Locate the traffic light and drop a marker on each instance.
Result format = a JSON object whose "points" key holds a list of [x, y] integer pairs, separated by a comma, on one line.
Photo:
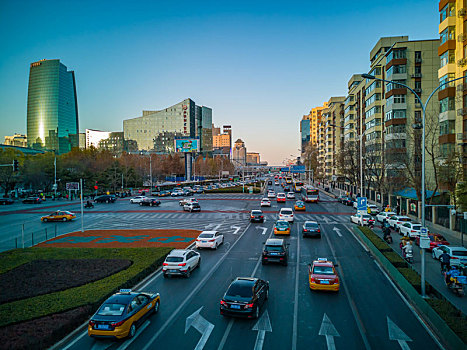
{"points": [[15, 165], [95, 186]]}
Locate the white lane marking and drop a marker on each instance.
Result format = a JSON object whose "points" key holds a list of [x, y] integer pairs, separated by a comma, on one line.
{"points": [[395, 333], [236, 228], [353, 234], [226, 334], [202, 325], [193, 292], [131, 340], [217, 227], [262, 228], [262, 326], [338, 231], [75, 340], [411, 308], [351, 302], [295, 307], [329, 331]]}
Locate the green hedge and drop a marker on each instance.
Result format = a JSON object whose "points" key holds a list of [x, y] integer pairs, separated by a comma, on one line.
{"points": [[396, 260], [236, 189], [453, 317], [375, 239], [145, 261]]}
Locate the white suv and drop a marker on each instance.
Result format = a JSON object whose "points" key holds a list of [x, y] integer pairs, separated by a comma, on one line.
{"points": [[181, 262], [137, 199], [192, 206], [286, 214]]}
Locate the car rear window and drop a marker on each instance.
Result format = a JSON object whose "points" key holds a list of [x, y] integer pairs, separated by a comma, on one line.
{"points": [[240, 289], [459, 252], [111, 310], [273, 248], [206, 235], [417, 227], [323, 270], [311, 226], [282, 224], [174, 259], [256, 212], [366, 216], [286, 211], [404, 219], [195, 205]]}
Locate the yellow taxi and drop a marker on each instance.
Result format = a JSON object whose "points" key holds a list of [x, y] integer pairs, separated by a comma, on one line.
{"points": [[59, 215], [282, 227], [299, 205], [120, 315], [322, 275]]}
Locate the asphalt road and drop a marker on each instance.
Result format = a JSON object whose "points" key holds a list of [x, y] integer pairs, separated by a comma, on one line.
{"points": [[367, 313]]}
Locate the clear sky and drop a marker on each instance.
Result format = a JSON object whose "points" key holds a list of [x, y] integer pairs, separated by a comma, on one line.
{"points": [[260, 65]]}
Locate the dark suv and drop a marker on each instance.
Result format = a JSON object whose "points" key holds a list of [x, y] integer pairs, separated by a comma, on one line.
{"points": [[256, 216], [275, 250], [105, 199]]}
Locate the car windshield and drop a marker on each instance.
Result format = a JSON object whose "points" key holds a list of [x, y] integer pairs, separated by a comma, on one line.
{"points": [[323, 270], [206, 235], [195, 205], [111, 309], [174, 259], [273, 248], [243, 290], [459, 252], [311, 226]]}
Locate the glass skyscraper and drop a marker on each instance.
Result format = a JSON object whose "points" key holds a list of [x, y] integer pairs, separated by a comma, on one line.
{"points": [[52, 115]]}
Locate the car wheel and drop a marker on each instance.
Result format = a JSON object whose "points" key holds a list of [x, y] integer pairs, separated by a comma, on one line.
{"points": [[433, 255], [45, 219], [285, 263], [256, 312], [140, 204], [199, 262], [64, 219], [132, 331], [266, 296], [188, 273], [263, 262], [107, 201], [156, 307], [215, 247], [222, 242], [150, 204]]}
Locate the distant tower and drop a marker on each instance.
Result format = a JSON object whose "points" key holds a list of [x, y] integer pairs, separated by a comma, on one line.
{"points": [[239, 153], [52, 116]]}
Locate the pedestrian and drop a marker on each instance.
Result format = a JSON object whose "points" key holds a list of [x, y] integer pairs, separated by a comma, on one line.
{"points": [[398, 208], [445, 259]]}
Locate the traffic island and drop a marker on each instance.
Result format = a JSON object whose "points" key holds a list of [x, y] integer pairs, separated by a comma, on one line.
{"points": [[104, 260], [449, 324]]}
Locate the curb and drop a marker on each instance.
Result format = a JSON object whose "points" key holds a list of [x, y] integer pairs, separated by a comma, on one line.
{"points": [[436, 324]]}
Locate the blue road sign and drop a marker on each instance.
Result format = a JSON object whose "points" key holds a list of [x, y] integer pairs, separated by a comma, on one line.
{"points": [[423, 231], [285, 169], [361, 203], [297, 169]]}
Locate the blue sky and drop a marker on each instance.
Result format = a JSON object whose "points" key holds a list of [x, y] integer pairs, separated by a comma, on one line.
{"points": [[260, 65]]}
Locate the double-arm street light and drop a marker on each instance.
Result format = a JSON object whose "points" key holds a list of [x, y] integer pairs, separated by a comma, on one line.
{"points": [[423, 106]]}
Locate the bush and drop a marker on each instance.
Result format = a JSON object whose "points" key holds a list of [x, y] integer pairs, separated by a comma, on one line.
{"points": [[236, 189], [395, 259], [380, 244], [145, 261], [453, 317]]}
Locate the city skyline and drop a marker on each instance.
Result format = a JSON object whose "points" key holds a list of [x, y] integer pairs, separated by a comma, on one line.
{"points": [[258, 68]]}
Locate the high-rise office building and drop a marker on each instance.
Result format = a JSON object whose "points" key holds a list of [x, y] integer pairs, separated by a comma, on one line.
{"points": [[203, 127], [52, 112]]}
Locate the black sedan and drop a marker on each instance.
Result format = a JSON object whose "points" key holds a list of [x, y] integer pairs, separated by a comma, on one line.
{"points": [[5, 201], [347, 201], [311, 229], [256, 216], [151, 202], [245, 297], [105, 199], [32, 200]]}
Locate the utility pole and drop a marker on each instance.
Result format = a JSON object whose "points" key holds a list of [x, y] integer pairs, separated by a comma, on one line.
{"points": [[55, 180], [150, 173], [122, 182], [82, 211]]}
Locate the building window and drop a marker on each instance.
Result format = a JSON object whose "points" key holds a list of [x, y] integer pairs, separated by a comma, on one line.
{"points": [[396, 54], [396, 69], [446, 149], [395, 114], [418, 55], [396, 129], [390, 86], [418, 69], [374, 85], [395, 99], [447, 127], [447, 57], [448, 34], [448, 11], [446, 78], [447, 104]]}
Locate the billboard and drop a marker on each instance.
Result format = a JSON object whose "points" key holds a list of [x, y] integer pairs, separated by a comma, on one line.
{"points": [[186, 145]]}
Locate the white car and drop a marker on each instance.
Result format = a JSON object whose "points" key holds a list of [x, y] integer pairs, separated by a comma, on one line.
{"points": [[410, 229], [187, 200], [354, 205], [372, 209], [458, 254], [286, 214], [271, 194], [362, 220], [192, 206], [384, 215], [395, 220], [138, 199], [265, 202], [290, 195], [181, 262], [209, 239]]}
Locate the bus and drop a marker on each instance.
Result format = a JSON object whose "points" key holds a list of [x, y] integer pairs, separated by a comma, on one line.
{"points": [[310, 194], [298, 186], [288, 180]]}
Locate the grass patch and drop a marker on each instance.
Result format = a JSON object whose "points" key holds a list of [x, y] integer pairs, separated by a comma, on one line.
{"points": [[145, 261]]}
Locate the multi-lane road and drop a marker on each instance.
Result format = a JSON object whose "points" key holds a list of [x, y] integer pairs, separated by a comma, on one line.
{"points": [[367, 313]]}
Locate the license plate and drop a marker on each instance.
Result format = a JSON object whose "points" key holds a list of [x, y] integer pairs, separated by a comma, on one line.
{"points": [[324, 281], [274, 254], [237, 307], [204, 241], [102, 326], [173, 270]]}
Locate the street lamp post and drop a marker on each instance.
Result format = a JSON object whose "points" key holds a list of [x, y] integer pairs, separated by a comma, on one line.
{"points": [[423, 106]]}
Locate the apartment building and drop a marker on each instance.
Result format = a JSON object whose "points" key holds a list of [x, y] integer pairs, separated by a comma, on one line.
{"points": [[309, 126]]}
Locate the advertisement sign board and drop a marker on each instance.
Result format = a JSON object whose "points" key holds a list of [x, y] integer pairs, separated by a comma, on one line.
{"points": [[72, 186], [186, 145]]}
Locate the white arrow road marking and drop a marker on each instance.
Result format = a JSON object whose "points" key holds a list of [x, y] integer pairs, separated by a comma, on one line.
{"points": [[262, 228], [208, 226], [329, 331], [202, 325], [338, 231], [262, 326], [217, 226], [326, 219], [395, 333], [236, 228]]}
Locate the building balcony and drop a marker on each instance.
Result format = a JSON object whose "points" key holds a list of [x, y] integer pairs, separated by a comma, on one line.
{"points": [[395, 136], [390, 106], [449, 115], [448, 22], [397, 76], [448, 138], [448, 68]]}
